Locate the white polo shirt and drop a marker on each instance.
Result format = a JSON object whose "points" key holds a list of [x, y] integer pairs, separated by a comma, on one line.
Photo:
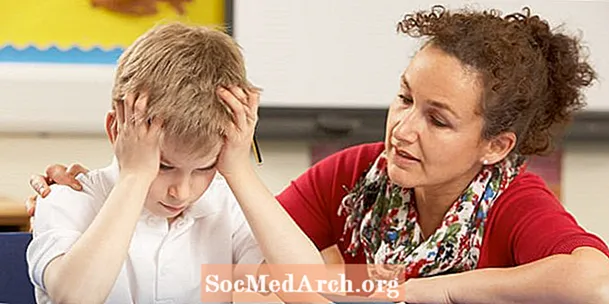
{"points": [[164, 263]]}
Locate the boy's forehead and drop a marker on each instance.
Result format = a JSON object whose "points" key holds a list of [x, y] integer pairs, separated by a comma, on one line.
{"points": [[177, 153]]}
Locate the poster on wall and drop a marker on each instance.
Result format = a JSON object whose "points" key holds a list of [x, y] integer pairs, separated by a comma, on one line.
{"points": [[549, 167], [90, 31]]}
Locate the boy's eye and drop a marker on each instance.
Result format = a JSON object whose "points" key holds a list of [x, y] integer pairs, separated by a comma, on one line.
{"points": [[205, 169], [165, 167]]}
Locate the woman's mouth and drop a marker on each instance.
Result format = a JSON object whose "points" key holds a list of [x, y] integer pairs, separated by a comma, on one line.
{"points": [[406, 155], [402, 158]]}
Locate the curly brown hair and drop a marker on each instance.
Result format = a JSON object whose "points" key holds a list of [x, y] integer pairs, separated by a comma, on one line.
{"points": [[533, 77]]}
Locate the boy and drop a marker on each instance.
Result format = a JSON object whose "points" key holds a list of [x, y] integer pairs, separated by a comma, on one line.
{"points": [[142, 227]]}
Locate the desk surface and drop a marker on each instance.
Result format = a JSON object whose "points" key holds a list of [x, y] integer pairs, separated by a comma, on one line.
{"points": [[13, 213]]}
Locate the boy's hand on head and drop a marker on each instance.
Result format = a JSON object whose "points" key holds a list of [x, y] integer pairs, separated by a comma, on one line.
{"points": [[243, 105], [137, 143]]}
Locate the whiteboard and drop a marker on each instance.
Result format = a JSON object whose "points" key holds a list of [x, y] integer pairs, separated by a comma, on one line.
{"points": [[346, 53]]}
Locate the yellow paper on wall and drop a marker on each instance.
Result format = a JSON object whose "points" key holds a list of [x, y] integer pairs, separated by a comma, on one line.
{"points": [[77, 23]]}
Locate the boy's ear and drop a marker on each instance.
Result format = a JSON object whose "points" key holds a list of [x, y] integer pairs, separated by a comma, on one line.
{"points": [[111, 126]]}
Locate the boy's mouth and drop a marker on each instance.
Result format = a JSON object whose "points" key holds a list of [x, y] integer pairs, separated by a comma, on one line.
{"points": [[173, 208]]}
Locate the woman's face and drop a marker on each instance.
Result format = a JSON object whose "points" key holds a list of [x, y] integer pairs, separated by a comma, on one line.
{"points": [[433, 129]]}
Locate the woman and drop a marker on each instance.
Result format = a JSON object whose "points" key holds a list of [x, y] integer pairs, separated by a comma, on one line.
{"points": [[447, 195]]}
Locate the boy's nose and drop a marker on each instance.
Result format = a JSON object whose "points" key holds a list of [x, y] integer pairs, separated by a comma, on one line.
{"points": [[179, 191]]}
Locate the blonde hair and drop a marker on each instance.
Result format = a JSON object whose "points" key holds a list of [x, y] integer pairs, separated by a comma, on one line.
{"points": [[181, 67]]}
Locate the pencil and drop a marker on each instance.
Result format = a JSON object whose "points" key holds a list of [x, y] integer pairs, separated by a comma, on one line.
{"points": [[257, 153]]}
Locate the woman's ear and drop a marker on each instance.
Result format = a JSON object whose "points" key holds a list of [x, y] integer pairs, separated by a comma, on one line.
{"points": [[111, 126], [498, 148]]}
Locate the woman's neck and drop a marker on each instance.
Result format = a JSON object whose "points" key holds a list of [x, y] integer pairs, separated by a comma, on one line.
{"points": [[434, 201]]}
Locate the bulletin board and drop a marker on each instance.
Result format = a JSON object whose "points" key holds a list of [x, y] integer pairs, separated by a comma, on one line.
{"points": [[89, 31]]}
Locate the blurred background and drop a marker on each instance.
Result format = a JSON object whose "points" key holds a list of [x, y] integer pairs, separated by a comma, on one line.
{"points": [[328, 69]]}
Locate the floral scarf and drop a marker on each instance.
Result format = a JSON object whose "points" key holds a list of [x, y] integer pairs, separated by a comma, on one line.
{"points": [[383, 220]]}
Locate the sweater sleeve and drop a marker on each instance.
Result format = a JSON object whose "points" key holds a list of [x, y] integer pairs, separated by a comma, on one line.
{"points": [[538, 226]]}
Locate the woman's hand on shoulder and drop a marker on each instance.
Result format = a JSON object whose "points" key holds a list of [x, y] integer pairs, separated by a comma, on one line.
{"points": [[54, 174]]}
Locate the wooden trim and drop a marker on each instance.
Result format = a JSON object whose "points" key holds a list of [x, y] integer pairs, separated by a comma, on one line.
{"points": [[14, 214]]}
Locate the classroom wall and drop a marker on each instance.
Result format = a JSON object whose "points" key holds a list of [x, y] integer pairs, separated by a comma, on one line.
{"points": [[585, 168], [585, 178], [22, 155]]}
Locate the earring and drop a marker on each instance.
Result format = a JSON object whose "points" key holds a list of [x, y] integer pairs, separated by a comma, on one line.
{"points": [[485, 162]]}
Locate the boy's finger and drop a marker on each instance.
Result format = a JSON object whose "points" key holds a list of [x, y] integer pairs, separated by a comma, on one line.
{"points": [[39, 184], [128, 108], [253, 97], [155, 125], [239, 94], [120, 113], [139, 108], [245, 98], [253, 102], [235, 106]]}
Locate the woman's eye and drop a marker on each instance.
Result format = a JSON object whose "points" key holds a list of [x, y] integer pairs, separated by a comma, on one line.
{"points": [[406, 99], [438, 122]]}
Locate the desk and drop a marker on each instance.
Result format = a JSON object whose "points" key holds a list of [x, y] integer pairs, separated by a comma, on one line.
{"points": [[13, 216]]}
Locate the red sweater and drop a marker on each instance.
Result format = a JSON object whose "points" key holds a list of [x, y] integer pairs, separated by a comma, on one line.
{"points": [[526, 223]]}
